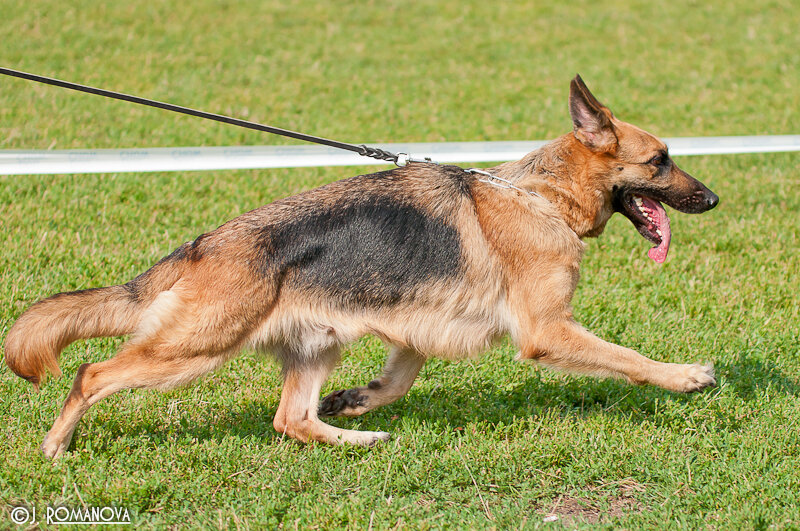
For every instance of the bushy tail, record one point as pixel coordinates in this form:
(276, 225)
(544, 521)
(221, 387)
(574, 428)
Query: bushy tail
(36, 339)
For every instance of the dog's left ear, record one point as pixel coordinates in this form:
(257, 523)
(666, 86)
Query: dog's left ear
(590, 118)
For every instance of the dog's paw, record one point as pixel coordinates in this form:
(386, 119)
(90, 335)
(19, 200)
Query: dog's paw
(378, 437)
(363, 438)
(51, 448)
(343, 403)
(696, 378)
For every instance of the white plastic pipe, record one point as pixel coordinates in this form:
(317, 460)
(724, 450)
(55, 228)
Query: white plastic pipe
(18, 162)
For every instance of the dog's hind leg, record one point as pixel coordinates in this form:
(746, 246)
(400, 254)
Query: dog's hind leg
(567, 345)
(137, 365)
(297, 412)
(399, 373)
(180, 338)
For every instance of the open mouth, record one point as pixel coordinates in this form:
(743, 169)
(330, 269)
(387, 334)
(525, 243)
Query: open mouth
(652, 222)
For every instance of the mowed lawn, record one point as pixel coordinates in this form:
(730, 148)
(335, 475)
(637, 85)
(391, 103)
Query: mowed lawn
(487, 443)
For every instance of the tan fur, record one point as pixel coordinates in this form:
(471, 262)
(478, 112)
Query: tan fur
(518, 268)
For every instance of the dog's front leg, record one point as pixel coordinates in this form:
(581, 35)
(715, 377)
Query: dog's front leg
(399, 373)
(567, 345)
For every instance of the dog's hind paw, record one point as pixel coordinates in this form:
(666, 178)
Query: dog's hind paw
(363, 438)
(53, 449)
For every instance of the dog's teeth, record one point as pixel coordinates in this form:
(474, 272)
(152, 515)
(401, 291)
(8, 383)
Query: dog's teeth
(658, 231)
(638, 201)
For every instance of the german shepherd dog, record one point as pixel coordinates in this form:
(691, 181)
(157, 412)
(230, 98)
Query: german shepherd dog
(432, 259)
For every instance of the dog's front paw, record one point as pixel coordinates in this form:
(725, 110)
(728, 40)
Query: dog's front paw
(696, 378)
(376, 437)
(343, 403)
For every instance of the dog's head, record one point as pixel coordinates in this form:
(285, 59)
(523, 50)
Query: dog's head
(636, 172)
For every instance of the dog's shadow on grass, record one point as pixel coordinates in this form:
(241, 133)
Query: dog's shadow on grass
(494, 402)
(749, 378)
(207, 421)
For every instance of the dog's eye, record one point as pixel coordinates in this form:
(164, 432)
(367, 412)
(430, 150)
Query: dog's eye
(658, 160)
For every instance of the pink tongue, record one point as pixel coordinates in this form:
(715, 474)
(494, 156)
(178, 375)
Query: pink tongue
(661, 220)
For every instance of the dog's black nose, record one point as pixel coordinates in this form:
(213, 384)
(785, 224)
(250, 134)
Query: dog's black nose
(712, 199)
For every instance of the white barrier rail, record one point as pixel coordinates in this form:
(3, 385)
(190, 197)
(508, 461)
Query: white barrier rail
(18, 162)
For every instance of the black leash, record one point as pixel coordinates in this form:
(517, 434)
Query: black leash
(401, 159)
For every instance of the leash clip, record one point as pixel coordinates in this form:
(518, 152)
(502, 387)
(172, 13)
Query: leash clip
(404, 158)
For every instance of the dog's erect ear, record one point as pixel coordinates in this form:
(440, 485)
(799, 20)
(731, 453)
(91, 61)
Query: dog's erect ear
(591, 119)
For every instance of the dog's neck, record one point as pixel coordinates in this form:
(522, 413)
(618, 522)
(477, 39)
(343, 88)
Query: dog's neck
(562, 171)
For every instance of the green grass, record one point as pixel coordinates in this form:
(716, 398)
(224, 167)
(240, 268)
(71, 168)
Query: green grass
(479, 444)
